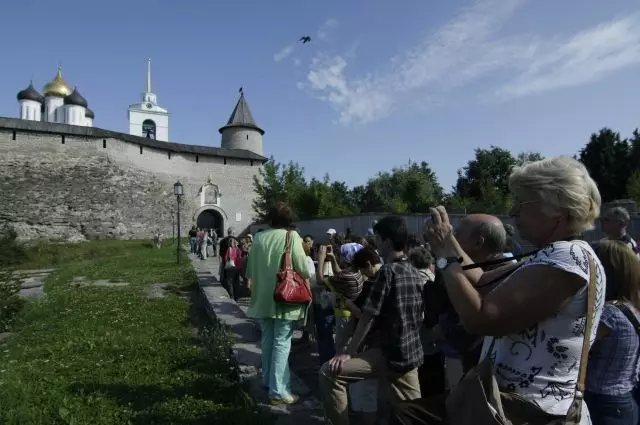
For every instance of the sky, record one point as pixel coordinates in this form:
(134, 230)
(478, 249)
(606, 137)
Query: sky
(381, 83)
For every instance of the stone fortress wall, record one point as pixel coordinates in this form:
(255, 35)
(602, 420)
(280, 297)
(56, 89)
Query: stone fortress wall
(63, 182)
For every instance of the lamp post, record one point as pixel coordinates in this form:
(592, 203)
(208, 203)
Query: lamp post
(173, 226)
(177, 190)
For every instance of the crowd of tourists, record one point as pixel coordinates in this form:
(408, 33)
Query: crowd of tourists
(457, 325)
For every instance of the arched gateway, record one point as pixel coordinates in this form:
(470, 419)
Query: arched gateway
(211, 217)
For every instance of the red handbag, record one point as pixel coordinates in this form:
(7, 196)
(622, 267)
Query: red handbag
(291, 288)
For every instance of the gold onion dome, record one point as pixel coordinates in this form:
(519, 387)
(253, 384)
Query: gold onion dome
(57, 87)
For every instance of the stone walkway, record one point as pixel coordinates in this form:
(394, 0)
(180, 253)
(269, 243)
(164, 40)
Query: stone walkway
(247, 350)
(32, 282)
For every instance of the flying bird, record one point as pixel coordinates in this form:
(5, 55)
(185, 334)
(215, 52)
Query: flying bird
(305, 39)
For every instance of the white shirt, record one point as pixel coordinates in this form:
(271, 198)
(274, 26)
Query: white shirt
(541, 363)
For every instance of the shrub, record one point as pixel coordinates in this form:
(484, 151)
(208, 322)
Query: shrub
(10, 302)
(11, 252)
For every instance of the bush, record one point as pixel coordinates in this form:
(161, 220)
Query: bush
(10, 302)
(11, 252)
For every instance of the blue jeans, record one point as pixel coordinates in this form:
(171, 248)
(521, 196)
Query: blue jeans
(275, 343)
(612, 409)
(192, 242)
(325, 323)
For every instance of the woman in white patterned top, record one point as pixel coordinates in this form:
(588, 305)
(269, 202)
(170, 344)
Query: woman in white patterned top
(537, 314)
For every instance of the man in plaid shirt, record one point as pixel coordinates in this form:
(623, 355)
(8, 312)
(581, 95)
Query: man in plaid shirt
(396, 296)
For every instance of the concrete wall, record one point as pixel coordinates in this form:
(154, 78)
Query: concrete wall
(69, 186)
(360, 223)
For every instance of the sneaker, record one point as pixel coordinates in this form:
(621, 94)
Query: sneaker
(290, 399)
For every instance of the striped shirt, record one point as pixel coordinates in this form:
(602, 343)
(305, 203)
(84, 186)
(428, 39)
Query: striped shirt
(613, 360)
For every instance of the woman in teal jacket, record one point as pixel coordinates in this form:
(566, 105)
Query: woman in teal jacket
(276, 320)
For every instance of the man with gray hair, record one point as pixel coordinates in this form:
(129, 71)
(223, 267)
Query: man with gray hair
(484, 238)
(614, 223)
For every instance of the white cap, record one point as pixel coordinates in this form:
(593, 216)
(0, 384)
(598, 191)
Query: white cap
(331, 232)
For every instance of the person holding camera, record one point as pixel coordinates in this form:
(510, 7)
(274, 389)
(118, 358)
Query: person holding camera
(483, 238)
(547, 306)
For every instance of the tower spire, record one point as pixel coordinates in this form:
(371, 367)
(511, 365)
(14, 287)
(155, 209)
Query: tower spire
(148, 75)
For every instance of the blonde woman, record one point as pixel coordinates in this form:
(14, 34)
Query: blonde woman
(537, 313)
(613, 360)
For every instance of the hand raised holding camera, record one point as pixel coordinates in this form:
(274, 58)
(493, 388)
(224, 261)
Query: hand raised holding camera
(438, 230)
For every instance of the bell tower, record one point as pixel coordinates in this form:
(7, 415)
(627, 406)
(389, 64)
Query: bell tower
(147, 118)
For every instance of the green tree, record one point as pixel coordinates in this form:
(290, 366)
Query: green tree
(525, 157)
(277, 182)
(634, 151)
(483, 184)
(633, 187)
(410, 189)
(607, 157)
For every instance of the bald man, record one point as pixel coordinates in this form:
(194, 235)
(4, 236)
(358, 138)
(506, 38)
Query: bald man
(484, 238)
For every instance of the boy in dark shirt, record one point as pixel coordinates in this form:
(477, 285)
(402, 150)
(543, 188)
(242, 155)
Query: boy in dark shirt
(364, 394)
(396, 299)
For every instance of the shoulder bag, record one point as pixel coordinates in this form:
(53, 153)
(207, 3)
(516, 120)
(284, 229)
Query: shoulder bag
(291, 288)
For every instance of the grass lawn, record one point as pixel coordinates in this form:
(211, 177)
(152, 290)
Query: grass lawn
(100, 355)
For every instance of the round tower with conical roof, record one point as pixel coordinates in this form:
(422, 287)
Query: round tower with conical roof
(241, 131)
(30, 103)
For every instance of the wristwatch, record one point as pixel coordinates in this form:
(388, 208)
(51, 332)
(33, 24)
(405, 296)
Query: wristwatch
(443, 262)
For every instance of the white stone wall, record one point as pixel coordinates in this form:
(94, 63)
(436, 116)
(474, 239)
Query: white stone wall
(30, 110)
(53, 109)
(111, 188)
(75, 115)
(242, 138)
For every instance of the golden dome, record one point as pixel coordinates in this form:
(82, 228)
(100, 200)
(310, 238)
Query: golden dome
(57, 87)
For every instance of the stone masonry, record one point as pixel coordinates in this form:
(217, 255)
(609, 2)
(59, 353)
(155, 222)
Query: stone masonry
(60, 185)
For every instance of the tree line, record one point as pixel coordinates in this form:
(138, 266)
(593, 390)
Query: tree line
(481, 186)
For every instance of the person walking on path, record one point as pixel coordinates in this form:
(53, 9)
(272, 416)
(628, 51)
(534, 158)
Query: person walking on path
(276, 320)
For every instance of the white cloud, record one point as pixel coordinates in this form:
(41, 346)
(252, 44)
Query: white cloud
(467, 49)
(283, 53)
(324, 30)
(580, 59)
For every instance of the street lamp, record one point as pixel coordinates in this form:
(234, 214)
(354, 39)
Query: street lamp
(173, 226)
(177, 190)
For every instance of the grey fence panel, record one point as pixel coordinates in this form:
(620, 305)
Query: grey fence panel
(415, 223)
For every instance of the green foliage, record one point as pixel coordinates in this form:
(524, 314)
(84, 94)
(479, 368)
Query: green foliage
(608, 159)
(10, 303)
(412, 188)
(112, 356)
(483, 184)
(633, 187)
(11, 252)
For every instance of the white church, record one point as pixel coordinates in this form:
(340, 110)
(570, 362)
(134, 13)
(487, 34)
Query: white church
(60, 104)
